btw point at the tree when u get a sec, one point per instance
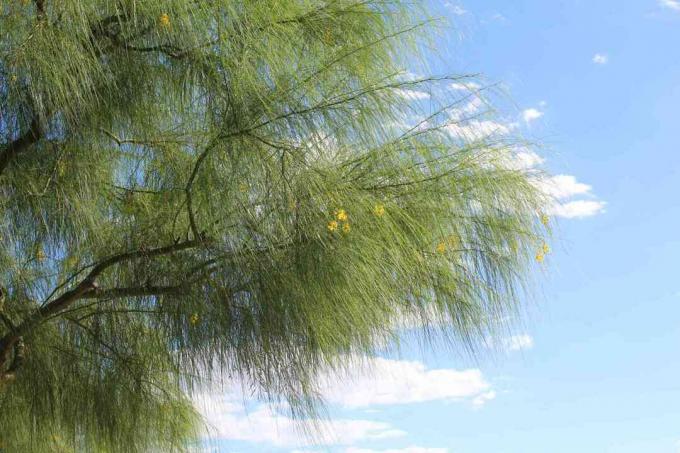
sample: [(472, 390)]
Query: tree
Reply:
[(190, 186)]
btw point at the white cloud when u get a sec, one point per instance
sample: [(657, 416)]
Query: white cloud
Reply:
[(518, 343), (477, 129), (484, 398), (472, 107), (411, 95), (466, 86), (600, 59), (227, 419), (398, 450), (672, 4), (578, 209), (562, 189), (530, 115), (455, 9), (513, 343), (526, 159), (369, 382), (380, 381)]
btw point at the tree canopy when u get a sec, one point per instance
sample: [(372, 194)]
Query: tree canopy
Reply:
[(243, 187)]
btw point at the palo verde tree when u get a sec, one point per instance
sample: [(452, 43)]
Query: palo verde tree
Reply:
[(191, 186)]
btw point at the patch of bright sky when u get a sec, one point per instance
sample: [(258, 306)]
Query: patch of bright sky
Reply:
[(596, 367)]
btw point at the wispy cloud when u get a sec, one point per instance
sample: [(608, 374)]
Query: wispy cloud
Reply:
[(455, 8), (399, 450), (531, 115), (671, 4), (522, 342), (468, 122), (600, 59), (518, 343), (371, 382), (411, 449), (467, 86), (380, 381), (571, 198), (228, 420), (477, 129), (411, 95)]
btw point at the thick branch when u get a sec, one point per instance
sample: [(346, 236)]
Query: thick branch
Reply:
[(31, 136), (135, 291), (86, 286), (17, 361)]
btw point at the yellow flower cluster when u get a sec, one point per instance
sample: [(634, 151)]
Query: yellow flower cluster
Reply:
[(341, 222), (379, 210), (164, 20), (194, 319), (441, 248), (545, 220), (540, 256), (340, 215)]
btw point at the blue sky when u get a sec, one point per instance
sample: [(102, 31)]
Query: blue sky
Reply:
[(595, 366)]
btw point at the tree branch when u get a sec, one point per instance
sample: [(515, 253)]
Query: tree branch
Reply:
[(31, 136), (135, 291), (82, 289)]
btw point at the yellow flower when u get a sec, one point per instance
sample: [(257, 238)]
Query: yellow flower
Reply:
[(13, 78), (243, 187), (341, 215), (346, 228), (540, 257), (194, 319), (332, 225), (546, 249), (441, 248), (164, 20), (545, 220), (379, 210), (40, 255)]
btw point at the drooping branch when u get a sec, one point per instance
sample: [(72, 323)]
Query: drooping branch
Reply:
[(87, 286)]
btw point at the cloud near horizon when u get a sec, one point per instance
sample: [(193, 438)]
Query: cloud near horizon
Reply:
[(372, 382)]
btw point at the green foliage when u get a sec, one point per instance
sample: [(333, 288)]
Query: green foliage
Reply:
[(198, 185)]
